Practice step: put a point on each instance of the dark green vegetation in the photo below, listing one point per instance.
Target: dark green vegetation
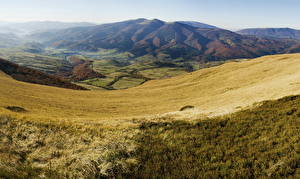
(259, 142)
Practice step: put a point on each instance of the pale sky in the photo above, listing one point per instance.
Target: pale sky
(230, 14)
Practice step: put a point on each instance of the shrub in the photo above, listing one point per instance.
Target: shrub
(186, 107)
(16, 109)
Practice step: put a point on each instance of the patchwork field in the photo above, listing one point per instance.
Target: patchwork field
(49, 64)
(113, 64)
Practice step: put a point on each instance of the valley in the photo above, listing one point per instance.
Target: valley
(121, 133)
(129, 53)
(148, 98)
(112, 64)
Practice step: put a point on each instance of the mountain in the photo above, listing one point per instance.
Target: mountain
(33, 76)
(284, 33)
(198, 24)
(14, 34)
(9, 40)
(39, 26)
(177, 40)
(81, 70)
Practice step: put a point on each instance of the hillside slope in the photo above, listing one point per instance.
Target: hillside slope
(212, 91)
(25, 28)
(198, 24)
(33, 76)
(9, 40)
(258, 142)
(261, 142)
(154, 37)
(286, 33)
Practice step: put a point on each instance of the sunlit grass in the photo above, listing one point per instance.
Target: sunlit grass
(259, 142)
(212, 91)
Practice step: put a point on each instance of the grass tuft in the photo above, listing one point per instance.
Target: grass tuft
(184, 108)
(16, 109)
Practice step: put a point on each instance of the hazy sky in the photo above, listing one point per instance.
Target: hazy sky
(231, 14)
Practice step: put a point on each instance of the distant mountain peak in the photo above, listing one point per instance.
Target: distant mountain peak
(179, 39)
(198, 24)
(281, 33)
(22, 28)
(152, 21)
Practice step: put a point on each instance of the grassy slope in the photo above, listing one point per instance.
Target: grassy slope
(259, 142)
(218, 90)
(34, 149)
(44, 63)
(33, 76)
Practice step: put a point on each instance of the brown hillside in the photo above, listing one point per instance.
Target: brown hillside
(81, 70)
(33, 76)
(141, 37)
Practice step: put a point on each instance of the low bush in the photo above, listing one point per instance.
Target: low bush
(186, 107)
(16, 109)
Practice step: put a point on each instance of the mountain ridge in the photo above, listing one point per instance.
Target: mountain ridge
(198, 24)
(178, 40)
(287, 33)
(25, 28)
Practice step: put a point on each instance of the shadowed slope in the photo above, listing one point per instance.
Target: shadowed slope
(33, 76)
(261, 142)
(153, 37)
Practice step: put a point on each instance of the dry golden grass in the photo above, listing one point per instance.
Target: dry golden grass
(56, 150)
(93, 133)
(213, 91)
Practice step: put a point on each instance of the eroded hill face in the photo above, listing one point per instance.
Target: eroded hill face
(213, 91)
